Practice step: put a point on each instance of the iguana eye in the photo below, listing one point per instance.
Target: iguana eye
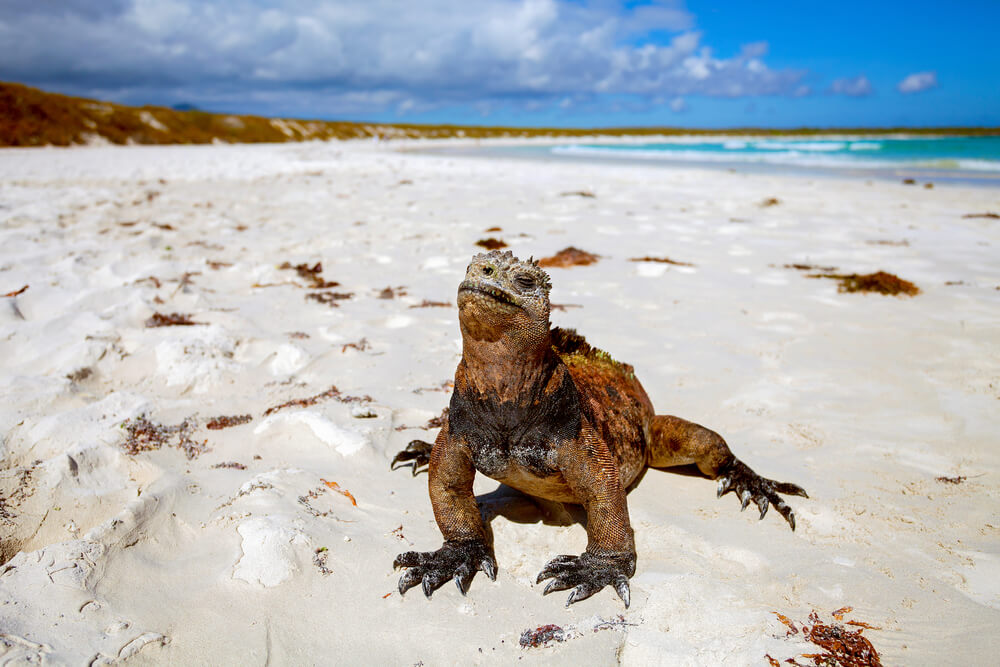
(524, 281)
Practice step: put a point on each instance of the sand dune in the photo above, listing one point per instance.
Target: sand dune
(132, 530)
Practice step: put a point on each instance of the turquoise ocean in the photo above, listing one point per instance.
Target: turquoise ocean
(963, 158)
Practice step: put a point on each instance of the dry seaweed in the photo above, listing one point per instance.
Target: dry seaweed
(770, 201)
(880, 282)
(491, 243)
(842, 647)
(392, 293)
(171, 320)
(215, 265)
(903, 243)
(17, 292)
(332, 392)
(80, 374)
(493, 229)
(587, 194)
(360, 346)
(297, 335)
(231, 465)
(439, 421)
(144, 435)
(431, 304)
(218, 423)
(810, 267)
(909, 181)
(311, 273)
(568, 257)
(344, 492)
(329, 298)
(988, 215)
(541, 636)
(951, 480)
(564, 306)
(661, 260)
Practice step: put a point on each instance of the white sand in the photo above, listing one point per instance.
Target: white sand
(864, 400)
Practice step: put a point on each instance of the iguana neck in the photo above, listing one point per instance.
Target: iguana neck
(503, 370)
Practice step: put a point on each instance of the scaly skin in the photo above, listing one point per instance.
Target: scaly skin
(540, 410)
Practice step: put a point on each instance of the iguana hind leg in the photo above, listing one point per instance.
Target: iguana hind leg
(675, 441)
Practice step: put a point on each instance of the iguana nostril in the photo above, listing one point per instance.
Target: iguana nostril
(487, 270)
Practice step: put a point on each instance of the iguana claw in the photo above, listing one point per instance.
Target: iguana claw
(458, 561)
(417, 451)
(586, 574)
(748, 485)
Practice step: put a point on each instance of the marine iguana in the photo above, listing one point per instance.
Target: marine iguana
(540, 410)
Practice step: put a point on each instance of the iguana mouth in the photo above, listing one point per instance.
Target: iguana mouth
(494, 293)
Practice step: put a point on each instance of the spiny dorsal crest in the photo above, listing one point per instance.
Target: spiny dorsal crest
(506, 262)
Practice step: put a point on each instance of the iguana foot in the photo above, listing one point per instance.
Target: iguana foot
(586, 574)
(417, 451)
(748, 485)
(454, 560)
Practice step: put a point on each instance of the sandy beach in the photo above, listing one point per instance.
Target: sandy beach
(307, 293)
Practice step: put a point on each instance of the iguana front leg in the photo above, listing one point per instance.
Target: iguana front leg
(466, 548)
(591, 472)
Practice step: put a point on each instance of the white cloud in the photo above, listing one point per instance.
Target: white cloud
(857, 86)
(917, 82)
(350, 57)
(678, 105)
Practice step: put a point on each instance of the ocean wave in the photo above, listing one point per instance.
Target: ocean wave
(865, 146)
(789, 157)
(821, 146)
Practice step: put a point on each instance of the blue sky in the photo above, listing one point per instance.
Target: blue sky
(523, 62)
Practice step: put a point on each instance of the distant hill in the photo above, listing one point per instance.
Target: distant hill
(32, 117)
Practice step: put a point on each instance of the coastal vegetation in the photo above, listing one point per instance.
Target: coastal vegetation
(33, 117)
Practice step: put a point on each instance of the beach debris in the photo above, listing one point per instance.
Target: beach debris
(491, 243)
(579, 193)
(545, 634)
(902, 243)
(80, 374)
(880, 282)
(541, 636)
(928, 186)
(319, 560)
(392, 292)
(431, 304)
(329, 298)
(439, 421)
(841, 647)
(297, 335)
(951, 480)
(171, 320)
(809, 267)
(332, 392)
(770, 201)
(360, 346)
(988, 215)
(344, 492)
(233, 465)
(909, 181)
(145, 435)
(215, 265)
(313, 274)
(661, 260)
(493, 229)
(568, 257)
(17, 292)
(218, 423)
(564, 306)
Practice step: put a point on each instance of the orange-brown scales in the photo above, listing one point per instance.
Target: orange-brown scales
(540, 410)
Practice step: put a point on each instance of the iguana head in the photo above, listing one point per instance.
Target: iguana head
(504, 296)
